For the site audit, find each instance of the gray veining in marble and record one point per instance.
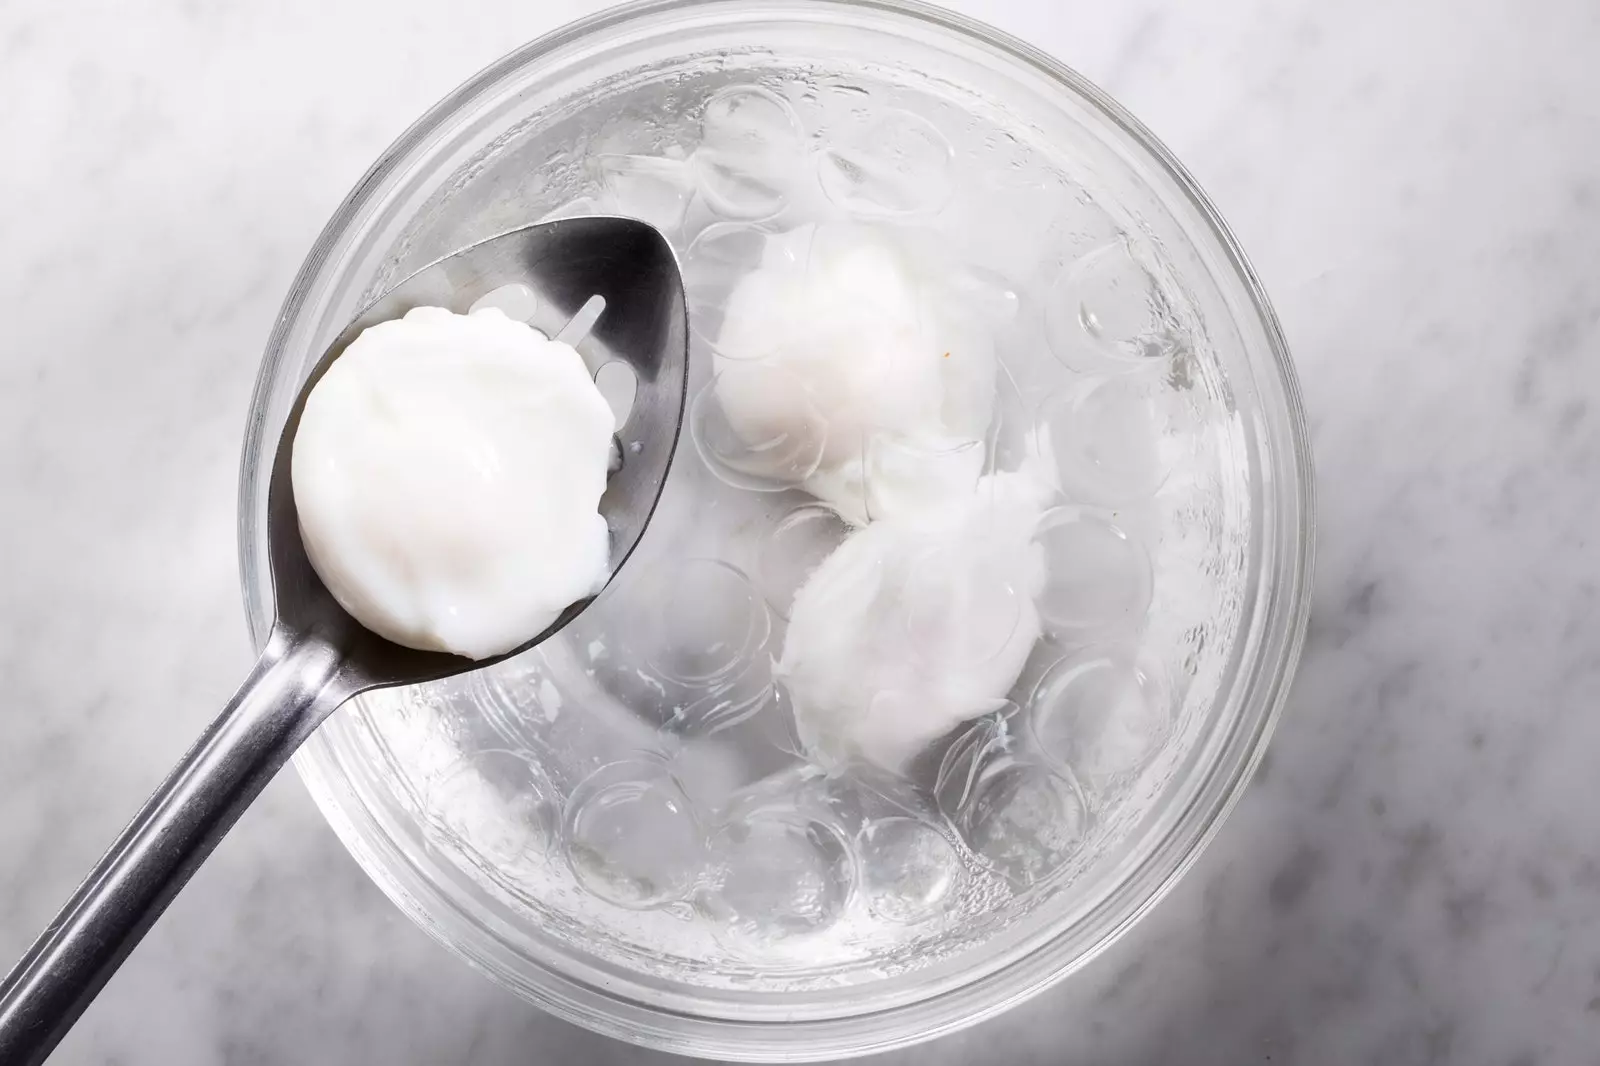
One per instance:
(1415, 877)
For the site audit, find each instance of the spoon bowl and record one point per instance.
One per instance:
(621, 268)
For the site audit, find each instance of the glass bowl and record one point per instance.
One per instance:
(646, 855)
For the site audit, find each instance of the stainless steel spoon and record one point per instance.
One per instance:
(317, 656)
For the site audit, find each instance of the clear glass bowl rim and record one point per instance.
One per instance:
(1266, 680)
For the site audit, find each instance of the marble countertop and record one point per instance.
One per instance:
(1415, 876)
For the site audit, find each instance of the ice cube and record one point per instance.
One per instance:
(751, 147)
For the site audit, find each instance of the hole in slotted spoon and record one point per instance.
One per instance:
(583, 321)
(516, 300)
(619, 385)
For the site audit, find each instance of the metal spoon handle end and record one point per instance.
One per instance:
(291, 689)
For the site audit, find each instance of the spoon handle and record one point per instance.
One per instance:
(292, 688)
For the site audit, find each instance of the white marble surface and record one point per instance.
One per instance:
(1415, 878)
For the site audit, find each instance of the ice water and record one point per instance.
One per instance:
(638, 783)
